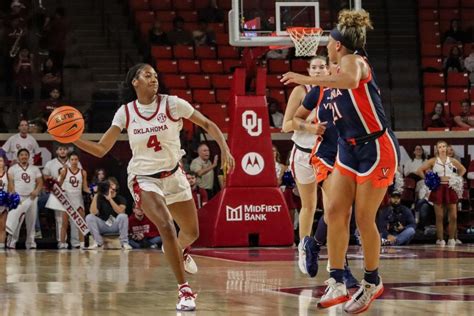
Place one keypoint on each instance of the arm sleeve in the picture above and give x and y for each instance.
(311, 100)
(36, 147)
(195, 166)
(120, 118)
(180, 108)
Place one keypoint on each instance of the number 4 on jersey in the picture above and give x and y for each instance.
(153, 143)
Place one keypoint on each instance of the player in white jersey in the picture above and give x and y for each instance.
(300, 157)
(19, 141)
(73, 180)
(158, 184)
(52, 170)
(27, 181)
(3, 210)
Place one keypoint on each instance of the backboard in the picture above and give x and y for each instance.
(264, 22)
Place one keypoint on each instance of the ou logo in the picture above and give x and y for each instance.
(251, 123)
(73, 181)
(26, 177)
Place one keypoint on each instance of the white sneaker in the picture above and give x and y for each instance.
(63, 245)
(440, 243)
(458, 242)
(189, 263)
(94, 246)
(126, 246)
(335, 293)
(31, 246)
(302, 257)
(451, 242)
(186, 299)
(82, 245)
(365, 295)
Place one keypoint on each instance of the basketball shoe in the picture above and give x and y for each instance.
(189, 263)
(362, 299)
(302, 256)
(186, 299)
(312, 249)
(335, 293)
(440, 242)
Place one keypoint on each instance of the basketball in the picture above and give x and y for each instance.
(66, 124)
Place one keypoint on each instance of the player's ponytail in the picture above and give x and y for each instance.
(353, 25)
(127, 90)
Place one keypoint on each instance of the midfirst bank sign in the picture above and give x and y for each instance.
(250, 213)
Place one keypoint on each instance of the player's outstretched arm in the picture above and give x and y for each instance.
(227, 161)
(103, 146)
(300, 124)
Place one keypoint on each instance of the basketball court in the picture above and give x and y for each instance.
(419, 280)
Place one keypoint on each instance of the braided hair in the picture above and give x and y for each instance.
(127, 90)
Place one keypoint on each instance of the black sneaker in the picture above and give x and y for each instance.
(311, 248)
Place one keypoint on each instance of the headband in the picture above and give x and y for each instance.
(337, 35)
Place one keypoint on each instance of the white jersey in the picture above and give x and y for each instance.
(4, 181)
(305, 139)
(153, 133)
(444, 169)
(72, 183)
(54, 166)
(24, 179)
(17, 142)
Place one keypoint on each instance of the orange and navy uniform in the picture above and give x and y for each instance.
(367, 148)
(324, 152)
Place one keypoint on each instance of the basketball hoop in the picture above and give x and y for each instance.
(306, 39)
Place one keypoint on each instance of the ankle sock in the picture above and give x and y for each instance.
(337, 274)
(372, 277)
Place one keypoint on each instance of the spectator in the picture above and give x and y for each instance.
(454, 35)
(24, 69)
(22, 140)
(452, 154)
(454, 62)
(276, 117)
(199, 194)
(203, 35)
(424, 206)
(58, 30)
(157, 36)
(143, 233)
(437, 118)
(211, 14)
(178, 35)
(204, 169)
(396, 223)
(279, 167)
(46, 107)
(50, 77)
(107, 214)
(465, 119)
(411, 166)
(469, 65)
(99, 176)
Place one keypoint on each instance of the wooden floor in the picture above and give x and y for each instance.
(419, 280)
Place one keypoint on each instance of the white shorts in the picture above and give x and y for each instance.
(301, 167)
(174, 188)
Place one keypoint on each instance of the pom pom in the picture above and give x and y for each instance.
(288, 179)
(432, 180)
(457, 184)
(48, 183)
(3, 198)
(13, 201)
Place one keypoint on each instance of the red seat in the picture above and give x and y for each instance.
(428, 15)
(428, 27)
(161, 52)
(144, 30)
(218, 27)
(144, 16)
(163, 5)
(467, 4)
(222, 39)
(461, 129)
(430, 4)
(432, 62)
(228, 52)
(199, 81)
(456, 107)
(187, 66)
(167, 66)
(207, 108)
(139, 5)
(225, 5)
(165, 16)
(449, 3)
(429, 107)
(217, 114)
(229, 64)
(472, 93)
(188, 16)
(201, 4)
(183, 52)
(449, 14)
(273, 81)
(458, 79)
(432, 38)
(183, 4)
(457, 94)
(447, 48)
(204, 96)
(278, 95)
(222, 95)
(444, 25)
(183, 94)
(408, 196)
(430, 50)
(433, 79)
(175, 81)
(206, 52)
(299, 65)
(278, 66)
(210, 66)
(435, 94)
(409, 183)
(467, 18)
(221, 81)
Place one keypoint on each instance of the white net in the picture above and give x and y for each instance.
(306, 40)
